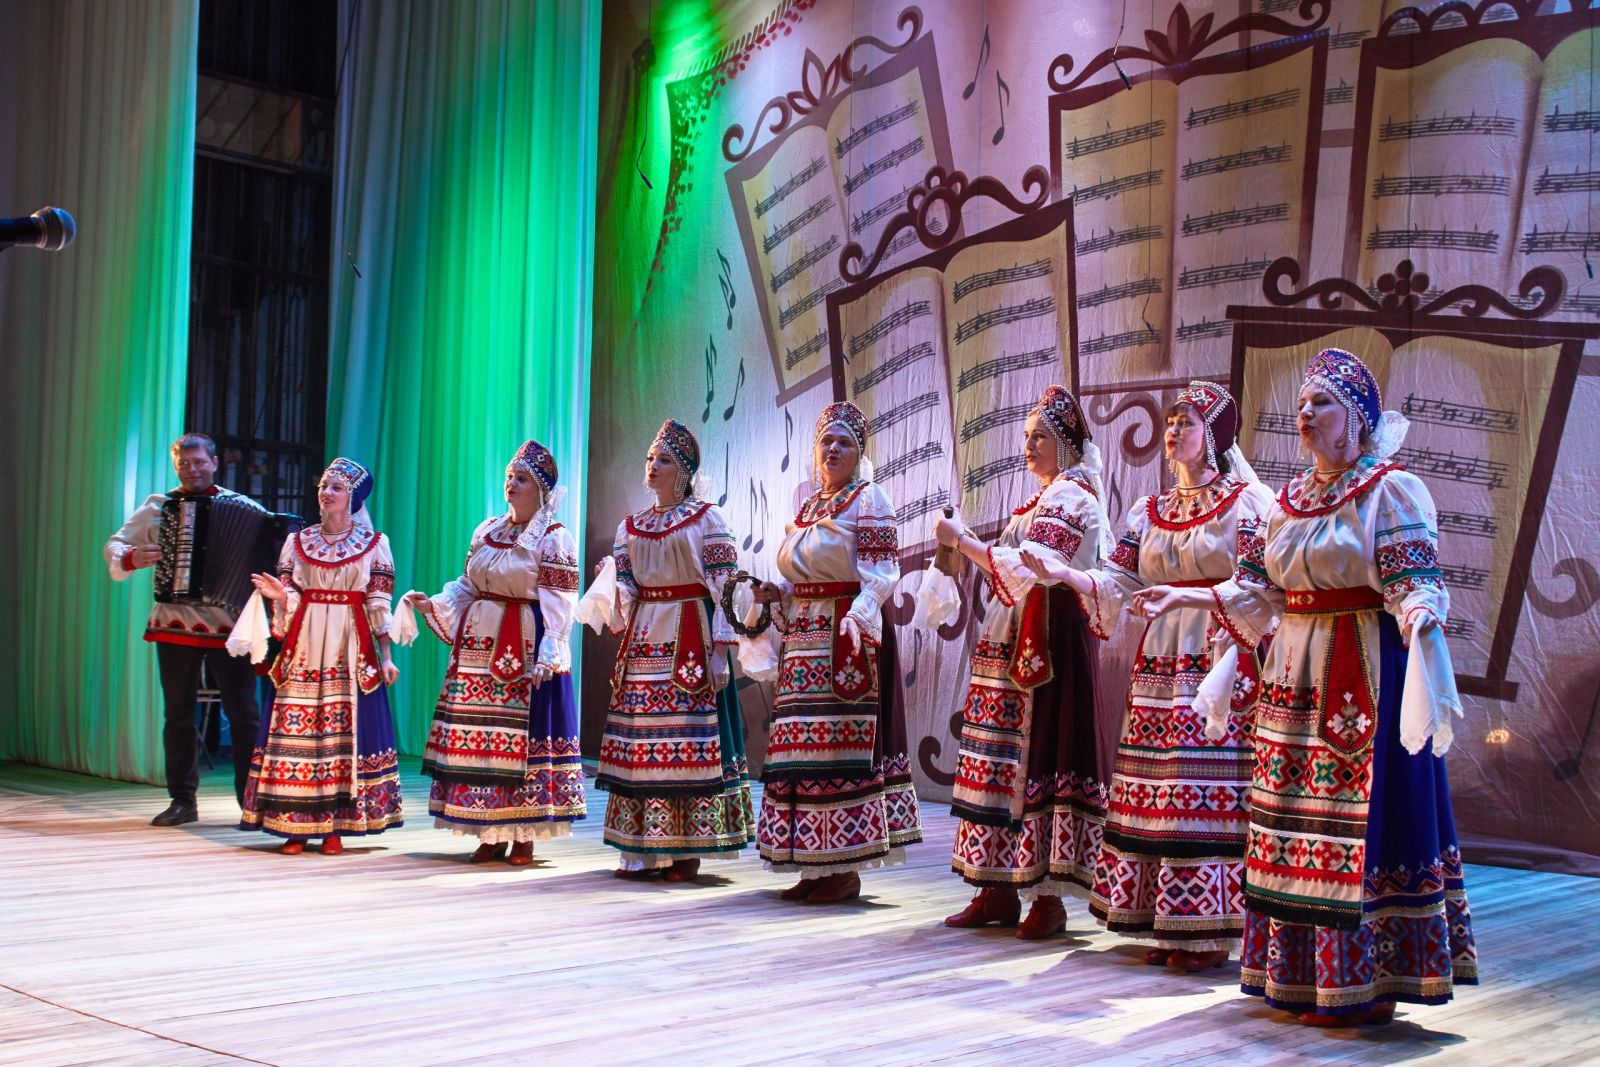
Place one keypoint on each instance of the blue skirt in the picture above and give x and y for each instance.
(1414, 942)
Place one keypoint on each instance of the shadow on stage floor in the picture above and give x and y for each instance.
(124, 943)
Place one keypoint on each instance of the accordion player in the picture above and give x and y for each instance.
(210, 545)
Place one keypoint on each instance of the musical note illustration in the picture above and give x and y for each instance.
(1246, 270)
(711, 376)
(1468, 525)
(1275, 422)
(1473, 240)
(893, 365)
(901, 316)
(1003, 276)
(788, 434)
(1115, 187)
(1104, 142)
(1115, 238)
(984, 320)
(722, 501)
(812, 212)
(878, 166)
(802, 264)
(1005, 363)
(1113, 342)
(916, 658)
(887, 121)
(727, 412)
(793, 357)
(1234, 218)
(788, 186)
(1447, 125)
(898, 465)
(1442, 185)
(1127, 290)
(1234, 109)
(880, 211)
(1343, 93)
(983, 55)
(1002, 93)
(786, 315)
(760, 518)
(1579, 181)
(1568, 240)
(1572, 121)
(725, 282)
(1448, 413)
(1264, 155)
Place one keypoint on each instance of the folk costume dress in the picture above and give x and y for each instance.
(672, 756)
(324, 760)
(1171, 867)
(1353, 874)
(837, 794)
(502, 754)
(1030, 792)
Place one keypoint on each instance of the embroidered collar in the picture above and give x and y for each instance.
(505, 532)
(1305, 496)
(814, 510)
(1073, 475)
(314, 548)
(1180, 509)
(653, 523)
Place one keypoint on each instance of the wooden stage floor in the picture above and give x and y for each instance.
(121, 943)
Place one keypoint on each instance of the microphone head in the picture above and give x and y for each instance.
(57, 229)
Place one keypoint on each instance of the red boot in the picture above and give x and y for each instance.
(1198, 961)
(1376, 1015)
(487, 853)
(332, 846)
(683, 870)
(801, 889)
(1045, 919)
(521, 854)
(836, 888)
(293, 847)
(998, 906)
(1157, 957)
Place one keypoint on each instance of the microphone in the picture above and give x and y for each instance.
(49, 228)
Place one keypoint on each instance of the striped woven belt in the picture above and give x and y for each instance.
(1331, 601)
(825, 590)
(687, 591)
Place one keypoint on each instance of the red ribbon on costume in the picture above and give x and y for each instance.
(851, 673)
(691, 666)
(509, 649)
(1030, 652)
(1347, 714)
(368, 675)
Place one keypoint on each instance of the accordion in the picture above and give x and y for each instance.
(210, 545)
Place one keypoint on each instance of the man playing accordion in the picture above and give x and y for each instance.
(189, 630)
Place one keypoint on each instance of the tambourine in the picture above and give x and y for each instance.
(762, 622)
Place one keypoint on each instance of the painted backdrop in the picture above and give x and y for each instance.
(935, 210)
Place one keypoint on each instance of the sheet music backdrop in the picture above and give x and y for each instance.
(1237, 185)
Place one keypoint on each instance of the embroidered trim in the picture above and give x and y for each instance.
(355, 537)
(1221, 617)
(677, 518)
(1355, 489)
(1223, 500)
(840, 504)
(997, 583)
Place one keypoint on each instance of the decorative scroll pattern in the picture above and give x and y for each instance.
(949, 191)
(1402, 291)
(1185, 40)
(819, 83)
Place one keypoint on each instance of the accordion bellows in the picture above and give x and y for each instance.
(210, 545)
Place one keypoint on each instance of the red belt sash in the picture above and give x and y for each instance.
(368, 674)
(691, 662)
(1347, 712)
(1197, 583)
(1030, 646)
(851, 672)
(509, 648)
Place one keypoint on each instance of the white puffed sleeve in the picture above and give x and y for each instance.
(380, 586)
(142, 530)
(1066, 516)
(719, 561)
(1117, 578)
(877, 559)
(458, 594)
(1249, 604)
(1406, 552)
(558, 597)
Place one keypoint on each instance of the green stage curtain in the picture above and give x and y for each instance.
(97, 115)
(463, 256)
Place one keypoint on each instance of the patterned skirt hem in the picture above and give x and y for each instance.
(728, 848)
(514, 833)
(342, 829)
(1046, 883)
(894, 857)
(1298, 1000)
(637, 861)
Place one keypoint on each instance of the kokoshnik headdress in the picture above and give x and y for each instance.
(1062, 417)
(357, 480)
(678, 440)
(1344, 377)
(843, 413)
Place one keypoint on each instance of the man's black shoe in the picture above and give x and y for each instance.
(177, 814)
